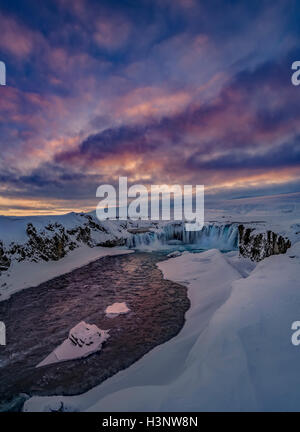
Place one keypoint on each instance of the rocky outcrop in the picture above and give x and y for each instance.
(259, 245)
(113, 243)
(52, 238)
(53, 241)
(46, 247)
(4, 260)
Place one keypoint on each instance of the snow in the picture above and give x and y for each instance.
(207, 290)
(278, 213)
(13, 228)
(116, 309)
(26, 274)
(84, 339)
(281, 214)
(234, 352)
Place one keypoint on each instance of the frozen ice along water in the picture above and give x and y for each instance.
(84, 339)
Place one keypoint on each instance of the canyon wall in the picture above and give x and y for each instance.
(53, 238)
(259, 245)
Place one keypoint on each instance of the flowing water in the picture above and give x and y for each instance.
(38, 319)
(220, 236)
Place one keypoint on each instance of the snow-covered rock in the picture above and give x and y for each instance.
(259, 245)
(50, 238)
(84, 339)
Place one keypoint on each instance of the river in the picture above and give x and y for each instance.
(39, 318)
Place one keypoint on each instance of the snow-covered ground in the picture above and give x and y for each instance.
(233, 353)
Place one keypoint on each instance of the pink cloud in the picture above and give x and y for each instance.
(112, 32)
(15, 38)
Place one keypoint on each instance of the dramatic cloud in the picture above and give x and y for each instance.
(176, 91)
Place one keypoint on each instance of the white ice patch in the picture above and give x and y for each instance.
(84, 339)
(116, 309)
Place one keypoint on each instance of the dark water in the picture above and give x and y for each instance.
(38, 319)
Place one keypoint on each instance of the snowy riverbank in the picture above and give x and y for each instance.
(36, 248)
(26, 274)
(233, 353)
(165, 363)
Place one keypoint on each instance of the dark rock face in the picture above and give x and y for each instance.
(54, 241)
(113, 243)
(4, 260)
(258, 246)
(45, 247)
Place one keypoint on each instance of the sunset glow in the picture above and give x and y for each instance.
(162, 92)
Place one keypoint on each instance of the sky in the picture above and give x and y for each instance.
(160, 91)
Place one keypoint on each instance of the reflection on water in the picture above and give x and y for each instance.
(38, 319)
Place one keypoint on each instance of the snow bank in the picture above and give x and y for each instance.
(234, 352)
(244, 360)
(84, 339)
(162, 366)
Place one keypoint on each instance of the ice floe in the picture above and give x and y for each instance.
(84, 339)
(116, 309)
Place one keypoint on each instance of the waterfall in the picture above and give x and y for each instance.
(219, 236)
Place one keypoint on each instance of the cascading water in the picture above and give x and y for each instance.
(223, 237)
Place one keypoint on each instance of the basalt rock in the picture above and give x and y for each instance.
(4, 260)
(53, 241)
(113, 243)
(259, 245)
